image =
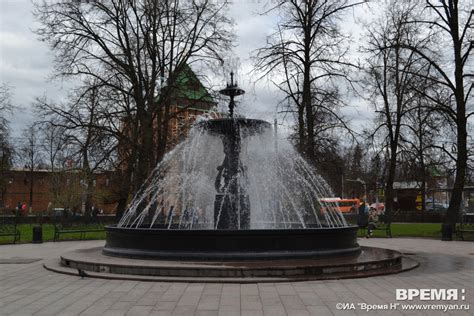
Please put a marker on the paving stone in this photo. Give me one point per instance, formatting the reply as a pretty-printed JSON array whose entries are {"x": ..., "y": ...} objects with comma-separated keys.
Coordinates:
[
  {"x": 250, "y": 302},
  {"x": 184, "y": 310},
  {"x": 29, "y": 289},
  {"x": 319, "y": 310},
  {"x": 213, "y": 289},
  {"x": 310, "y": 298},
  {"x": 114, "y": 313},
  {"x": 160, "y": 313},
  {"x": 206, "y": 313},
  {"x": 139, "y": 311},
  {"x": 94, "y": 310},
  {"x": 252, "y": 313},
  {"x": 228, "y": 313},
  {"x": 292, "y": 302},
  {"x": 169, "y": 306},
  {"x": 249, "y": 289},
  {"x": 209, "y": 302},
  {"x": 275, "y": 310},
  {"x": 297, "y": 312}
]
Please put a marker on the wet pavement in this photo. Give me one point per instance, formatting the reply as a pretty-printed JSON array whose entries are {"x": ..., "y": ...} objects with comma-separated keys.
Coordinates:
[{"x": 26, "y": 288}]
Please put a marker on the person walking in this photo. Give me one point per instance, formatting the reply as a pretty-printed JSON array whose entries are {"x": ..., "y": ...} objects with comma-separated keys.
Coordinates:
[
  {"x": 362, "y": 215},
  {"x": 18, "y": 209},
  {"x": 23, "y": 209}
]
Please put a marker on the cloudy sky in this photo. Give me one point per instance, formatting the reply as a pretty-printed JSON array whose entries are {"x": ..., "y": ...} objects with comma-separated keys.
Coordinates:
[{"x": 26, "y": 64}]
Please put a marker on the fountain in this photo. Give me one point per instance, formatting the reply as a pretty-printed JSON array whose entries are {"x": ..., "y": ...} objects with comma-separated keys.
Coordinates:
[
  {"x": 264, "y": 202},
  {"x": 234, "y": 200}
]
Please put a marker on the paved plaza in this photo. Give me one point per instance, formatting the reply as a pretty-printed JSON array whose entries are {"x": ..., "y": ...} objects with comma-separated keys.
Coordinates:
[{"x": 26, "y": 288}]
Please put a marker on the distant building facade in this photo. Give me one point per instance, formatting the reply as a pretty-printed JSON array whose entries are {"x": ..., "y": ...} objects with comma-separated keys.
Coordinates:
[
  {"x": 190, "y": 99},
  {"x": 62, "y": 189}
]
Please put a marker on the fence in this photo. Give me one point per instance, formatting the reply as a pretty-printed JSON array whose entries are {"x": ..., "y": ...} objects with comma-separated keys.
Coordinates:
[
  {"x": 105, "y": 219},
  {"x": 407, "y": 217}
]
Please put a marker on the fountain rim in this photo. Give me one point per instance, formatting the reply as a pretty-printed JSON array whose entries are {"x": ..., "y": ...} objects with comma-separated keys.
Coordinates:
[
  {"x": 230, "y": 244},
  {"x": 241, "y": 121},
  {"x": 234, "y": 231}
]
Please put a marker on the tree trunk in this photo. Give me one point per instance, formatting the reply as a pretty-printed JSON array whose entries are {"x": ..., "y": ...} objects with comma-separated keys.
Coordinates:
[
  {"x": 125, "y": 188},
  {"x": 461, "y": 121},
  {"x": 309, "y": 150},
  {"x": 87, "y": 180},
  {"x": 30, "y": 203},
  {"x": 145, "y": 153},
  {"x": 123, "y": 199},
  {"x": 301, "y": 128},
  {"x": 389, "y": 192},
  {"x": 423, "y": 185},
  {"x": 455, "y": 203},
  {"x": 163, "y": 141}
]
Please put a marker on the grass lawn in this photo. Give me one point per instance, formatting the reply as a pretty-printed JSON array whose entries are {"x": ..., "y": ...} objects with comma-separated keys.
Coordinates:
[
  {"x": 429, "y": 230},
  {"x": 26, "y": 231}
]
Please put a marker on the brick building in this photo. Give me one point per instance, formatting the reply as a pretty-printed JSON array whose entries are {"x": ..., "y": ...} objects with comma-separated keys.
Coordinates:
[
  {"x": 190, "y": 100},
  {"x": 59, "y": 190}
]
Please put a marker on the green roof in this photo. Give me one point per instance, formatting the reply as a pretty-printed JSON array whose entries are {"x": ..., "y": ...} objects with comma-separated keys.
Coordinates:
[
  {"x": 189, "y": 87},
  {"x": 434, "y": 172}
]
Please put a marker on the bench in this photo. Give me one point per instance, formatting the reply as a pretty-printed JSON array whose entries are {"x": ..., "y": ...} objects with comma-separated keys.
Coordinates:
[
  {"x": 384, "y": 225},
  {"x": 75, "y": 225},
  {"x": 466, "y": 225},
  {"x": 8, "y": 227}
]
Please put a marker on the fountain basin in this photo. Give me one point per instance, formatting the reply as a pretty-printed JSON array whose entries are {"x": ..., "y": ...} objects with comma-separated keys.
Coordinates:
[
  {"x": 252, "y": 244},
  {"x": 226, "y": 126}
]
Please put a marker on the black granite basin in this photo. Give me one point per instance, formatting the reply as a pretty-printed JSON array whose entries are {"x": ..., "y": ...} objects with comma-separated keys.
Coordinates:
[{"x": 251, "y": 244}]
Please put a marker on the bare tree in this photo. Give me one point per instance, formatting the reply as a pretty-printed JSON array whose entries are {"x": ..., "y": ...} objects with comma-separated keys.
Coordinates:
[
  {"x": 136, "y": 48},
  {"x": 450, "y": 21},
  {"x": 6, "y": 150},
  {"x": 6, "y": 157},
  {"x": 5, "y": 109},
  {"x": 30, "y": 156},
  {"x": 307, "y": 56},
  {"x": 420, "y": 143},
  {"x": 83, "y": 132},
  {"x": 58, "y": 152},
  {"x": 5, "y": 104},
  {"x": 55, "y": 143},
  {"x": 134, "y": 52},
  {"x": 390, "y": 81}
]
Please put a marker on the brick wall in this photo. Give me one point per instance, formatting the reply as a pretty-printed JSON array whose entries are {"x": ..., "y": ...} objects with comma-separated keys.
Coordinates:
[{"x": 18, "y": 190}]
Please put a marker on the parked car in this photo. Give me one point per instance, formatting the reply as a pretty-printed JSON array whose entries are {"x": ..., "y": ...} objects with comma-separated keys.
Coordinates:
[{"x": 436, "y": 207}]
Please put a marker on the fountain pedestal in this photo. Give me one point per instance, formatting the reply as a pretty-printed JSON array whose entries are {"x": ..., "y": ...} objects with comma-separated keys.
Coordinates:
[
  {"x": 232, "y": 205},
  {"x": 232, "y": 211}
]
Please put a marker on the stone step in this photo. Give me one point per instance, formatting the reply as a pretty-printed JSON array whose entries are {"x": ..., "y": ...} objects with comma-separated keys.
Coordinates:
[{"x": 372, "y": 261}]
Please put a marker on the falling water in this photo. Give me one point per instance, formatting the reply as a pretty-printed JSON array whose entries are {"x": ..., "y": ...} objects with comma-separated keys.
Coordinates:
[{"x": 283, "y": 190}]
